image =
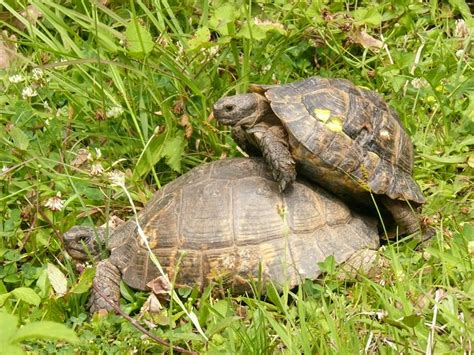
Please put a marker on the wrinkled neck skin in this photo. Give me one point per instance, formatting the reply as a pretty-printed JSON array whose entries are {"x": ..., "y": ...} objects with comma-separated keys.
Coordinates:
[{"x": 261, "y": 113}]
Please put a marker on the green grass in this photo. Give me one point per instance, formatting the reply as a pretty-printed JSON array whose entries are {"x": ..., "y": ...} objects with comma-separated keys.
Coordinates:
[{"x": 164, "y": 63}]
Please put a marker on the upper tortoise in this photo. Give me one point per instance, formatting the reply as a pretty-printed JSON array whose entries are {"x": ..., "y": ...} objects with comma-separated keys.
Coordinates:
[
  {"x": 341, "y": 136},
  {"x": 227, "y": 221}
]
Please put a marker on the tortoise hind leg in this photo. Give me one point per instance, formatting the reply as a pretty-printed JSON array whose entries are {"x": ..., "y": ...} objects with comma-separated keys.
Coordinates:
[
  {"x": 106, "y": 287},
  {"x": 404, "y": 215}
]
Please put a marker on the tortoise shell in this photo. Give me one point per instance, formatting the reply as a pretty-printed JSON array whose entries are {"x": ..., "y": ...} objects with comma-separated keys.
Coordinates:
[
  {"x": 226, "y": 220},
  {"x": 345, "y": 137}
]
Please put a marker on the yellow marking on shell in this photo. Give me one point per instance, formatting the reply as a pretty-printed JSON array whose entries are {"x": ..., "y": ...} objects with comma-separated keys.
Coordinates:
[
  {"x": 334, "y": 124},
  {"x": 322, "y": 114}
]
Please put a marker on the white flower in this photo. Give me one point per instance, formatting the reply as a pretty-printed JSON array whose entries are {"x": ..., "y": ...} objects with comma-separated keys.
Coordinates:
[
  {"x": 28, "y": 92},
  {"x": 55, "y": 203},
  {"x": 5, "y": 169},
  {"x": 381, "y": 314},
  {"x": 97, "y": 169},
  {"x": 461, "y": 30},
  {"x": 37, "y": 74},
  {"x": 212, "y": 51},
  {"x": 17, "y": 78},
  {"x": 419, "y": 83},
  {"x": 460, "y": 53},
  {"x": 180, "y": 49},
  {"x": 62, "y": 111},
  {"x": 114, "y": 112},
  {"x": 117, "y": 178},
  {"x": 275, "y": 25}
]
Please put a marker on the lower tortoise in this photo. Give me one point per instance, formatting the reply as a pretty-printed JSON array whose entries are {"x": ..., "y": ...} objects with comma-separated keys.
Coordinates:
[
  {"x": 343, "y": 137},
  {"x": 227, "y": 222}
]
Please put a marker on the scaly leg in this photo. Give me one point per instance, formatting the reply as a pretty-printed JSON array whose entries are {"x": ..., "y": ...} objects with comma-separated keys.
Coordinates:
[
  {"x": 404, "y": 215},
  {"x": 107, "y": 281}
]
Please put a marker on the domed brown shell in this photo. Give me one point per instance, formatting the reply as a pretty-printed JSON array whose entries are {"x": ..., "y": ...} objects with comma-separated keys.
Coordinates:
[
  {"x": 224, "y": 219},
  {"x": 346, "y": 138}
]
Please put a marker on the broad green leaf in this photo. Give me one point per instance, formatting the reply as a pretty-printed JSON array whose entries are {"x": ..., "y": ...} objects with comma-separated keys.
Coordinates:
[
  {"x": 201, "y": 37},
  {"x": 20, "y": 139},
  {"x": 173, "y": 150},
  {"x": 151, "y": 155},
  {"x": 3, "y": 289},
  {"x": 139, "y": 40},
  {"x": 468, "y": 231},
  {"x": 126, "y": 292},
  {"x": 220, "y": 325},
  {"x": 469, "y": 140},
  {"x": 57, "y": 279},
  {"x": 26, "y": 295},
  {"x": 328, "y": 265},
  {"x": 221, "y": 17},
  {"x": 85, "y": 281},
  {"x": 274, "y": 296},
  {"x": 411, "y": 320},
  {"x": 221, "y": 307},
  {"x": 3, "y": 298},
  {"x": 367, "y": 16},
  {"x": 8, "y": 326},
  {"x": 250, "y": 31},
  {"x": 43, "y": 283},
  {"x": 46, "y": 330},
  {"x": 258, "y": 31}
]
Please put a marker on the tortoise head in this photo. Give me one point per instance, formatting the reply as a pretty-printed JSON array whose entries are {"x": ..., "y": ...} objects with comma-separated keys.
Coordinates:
[
  {"x": 82, "y": 243},
  {"x": 243, "y": 109}
]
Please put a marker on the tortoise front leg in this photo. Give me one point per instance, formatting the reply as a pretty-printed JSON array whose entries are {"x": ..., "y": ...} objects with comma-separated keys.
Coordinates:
[
  {"x": 106, "y": 287},
  {"x": 273, "y": 142},
  {"x": 240, "y": 137}
]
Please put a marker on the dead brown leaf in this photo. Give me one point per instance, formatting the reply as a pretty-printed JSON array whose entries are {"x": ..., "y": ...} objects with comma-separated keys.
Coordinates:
[
  {"x": 8, "y": 53},
  {"x": 188, "y": 128},
  {"x": 159, "y": 285},
  {"x": 82, "y": 156},
  {"x": 367, "y": 41},
  {"x": 151, "y": 305}
]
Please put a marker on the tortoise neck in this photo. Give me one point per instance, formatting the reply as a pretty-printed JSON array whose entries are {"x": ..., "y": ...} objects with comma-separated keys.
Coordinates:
[{"x": 262, "y": 110}]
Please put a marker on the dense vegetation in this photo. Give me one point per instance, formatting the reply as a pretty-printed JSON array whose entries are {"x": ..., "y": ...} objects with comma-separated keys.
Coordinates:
[{"x": 93, "y": 88}]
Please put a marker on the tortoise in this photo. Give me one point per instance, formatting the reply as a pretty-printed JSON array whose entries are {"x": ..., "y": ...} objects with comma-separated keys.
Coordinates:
[
  {"x": 343, "y": 137},
  {"x": 227, "y": 222}
]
